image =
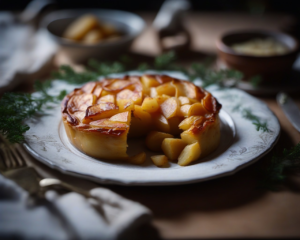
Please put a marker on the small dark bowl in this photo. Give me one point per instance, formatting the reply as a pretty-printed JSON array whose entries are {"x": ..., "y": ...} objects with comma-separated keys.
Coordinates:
[{"x": 270, "y": 68}]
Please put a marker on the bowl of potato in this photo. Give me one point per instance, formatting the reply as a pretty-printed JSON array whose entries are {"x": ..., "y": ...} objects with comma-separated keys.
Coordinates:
[{"x": 90, "y": 33}]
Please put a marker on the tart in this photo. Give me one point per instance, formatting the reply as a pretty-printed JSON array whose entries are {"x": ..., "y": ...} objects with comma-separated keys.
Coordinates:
[{"x": 175, "y": 116}]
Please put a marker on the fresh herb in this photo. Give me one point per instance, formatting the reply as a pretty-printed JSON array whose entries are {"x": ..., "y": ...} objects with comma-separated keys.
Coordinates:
[
  {"x": 67, "y": 74},
  {"x": 17, "y": 107},
  {"x": 222, "y": 78},
  {"x": 279, "y": 168},
  {"x": 248, "y": 114},
  {"x": 255, "y": 81},
  {"x": 104, "y": 69}
]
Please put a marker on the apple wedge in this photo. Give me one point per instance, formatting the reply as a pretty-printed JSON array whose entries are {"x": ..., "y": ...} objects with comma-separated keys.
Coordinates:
[
  {"x": 155, "y": 139},
  {"x": 189, "y": 154},
  {"x": 172, "y": 148},
  {"x": 160, "y": 160}
]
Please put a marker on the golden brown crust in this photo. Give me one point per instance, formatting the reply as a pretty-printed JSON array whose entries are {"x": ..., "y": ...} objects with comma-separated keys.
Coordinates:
[
  {"x": 100, "y": 115},
  {"x": 86, "y": 100}
]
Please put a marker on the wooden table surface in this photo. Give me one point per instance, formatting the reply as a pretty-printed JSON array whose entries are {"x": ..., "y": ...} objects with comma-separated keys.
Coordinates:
[{"x": 226, "y": 207}]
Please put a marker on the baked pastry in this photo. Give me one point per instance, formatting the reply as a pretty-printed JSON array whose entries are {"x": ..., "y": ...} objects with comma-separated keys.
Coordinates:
[{"x": 100, "y": 116}]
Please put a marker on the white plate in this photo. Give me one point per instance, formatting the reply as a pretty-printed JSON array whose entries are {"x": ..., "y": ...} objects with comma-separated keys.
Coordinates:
[{"x": 241, "y": 145}]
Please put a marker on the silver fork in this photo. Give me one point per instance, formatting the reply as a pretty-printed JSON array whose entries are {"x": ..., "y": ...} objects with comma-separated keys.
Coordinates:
[
  {"x": 11, "y": 156},
  {"x": 14, "y": 166}
]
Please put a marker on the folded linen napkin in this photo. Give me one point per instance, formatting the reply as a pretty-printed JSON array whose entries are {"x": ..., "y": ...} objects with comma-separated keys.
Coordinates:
[
  {"x": 24, "y": 52},
  {"x": 68, "y": 216}
]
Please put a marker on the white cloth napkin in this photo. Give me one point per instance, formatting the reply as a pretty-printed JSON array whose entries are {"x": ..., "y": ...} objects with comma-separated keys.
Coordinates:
[
  {"x": 68, "y": 216},
  {"x": 24, "y": 52}
]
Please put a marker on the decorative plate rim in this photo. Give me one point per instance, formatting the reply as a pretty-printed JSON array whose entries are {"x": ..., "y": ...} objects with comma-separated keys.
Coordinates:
[{"x": 64, "y": 167}]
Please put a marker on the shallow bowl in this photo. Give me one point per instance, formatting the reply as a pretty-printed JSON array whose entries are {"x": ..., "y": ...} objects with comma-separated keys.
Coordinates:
[
  {"x": 270, "y": 68},
  {"x": 131, "y": 25}
]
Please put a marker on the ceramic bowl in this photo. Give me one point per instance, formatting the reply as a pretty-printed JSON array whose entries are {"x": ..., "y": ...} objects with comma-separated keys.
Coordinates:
[
  {"x": 130, "y": 24},
  {"x": 270, "y": 68}
]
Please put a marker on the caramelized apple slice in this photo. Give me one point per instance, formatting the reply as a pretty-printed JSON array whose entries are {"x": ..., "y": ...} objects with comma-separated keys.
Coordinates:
[
  {"x": 136, "y": 97},
  {"x": 138, "y": 159},
  {"x": 80, "y": 102},
  {"x": 107, "y": 98},
  {"x": 89, "y": 87},
  {"x": 161, "y": 99},
  {"x": 172, "y": 148},
  {"x": 206, "y": 134},
  {"x": 99, "y": 111},
  {"x": 188, "y": 89},
  {"x": 170, "y": 107},
  {"x": 140, "y": 122},
  {"x": 160, "y": 160},
  {"x": 190, "y": 121},
  {"x": 148, "y": 82},
  {"x": 150, "y": 105},
  {"x": 189, "y": 154},
  {"x": 121, "y": 117},
  {"x": 195, "y": 109},
  {"x": 161, "y": 123},
  {"x": 167, "y": 89},
  {"x": 174, "y": 125},
  {"x": 155, "y": 139},
  {"x": 126, "y": 99},
  {"x": 184, "y": 100},
  {"x": 98, "y": 90},
  {"x": 117, "y": 85}
]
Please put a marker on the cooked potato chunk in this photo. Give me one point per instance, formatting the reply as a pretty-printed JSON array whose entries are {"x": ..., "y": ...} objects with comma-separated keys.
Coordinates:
[
  {"x": 195, "y": 109},
  {"x": 160, "y": 160},
  {"x": 188, "y": 122},
  {"x": 155, "y": 139},
  {"x": 189, "y": 154},
  {"x": 80, "y": 27},
  {"x": 138, "y": 159},
  {"x": 141, "y": 122},
  {"x": 161, "y": 123},
  {"x": 174, "y": 125},
  {"x": 93, "y": 37},
  {"x": 170, "y": 107},
  {"x": 208, "y": 137},
  {"x": 184, "y": 100},
  {"x": 172, "y": 148},
  {"x": 100, "y": 116},
  {"x": 150, "y": 105}
]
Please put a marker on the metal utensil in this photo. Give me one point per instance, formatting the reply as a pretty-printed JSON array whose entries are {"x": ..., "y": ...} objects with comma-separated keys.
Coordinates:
[
  {"x": 13, "y": 166},
  {"x": 290, "y": 109},
  {"x": 51, "y": 182}
]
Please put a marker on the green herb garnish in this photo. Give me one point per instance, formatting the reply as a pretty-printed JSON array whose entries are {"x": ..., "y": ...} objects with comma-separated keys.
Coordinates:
[
  {"x": 248, "y": 114},
  {"x": 280, "y": 166},
  {"x": 17, "y": 107}
]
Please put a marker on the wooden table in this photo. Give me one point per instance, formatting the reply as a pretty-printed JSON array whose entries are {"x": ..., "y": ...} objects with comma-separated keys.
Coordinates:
[{"x": 226, "y": 207}]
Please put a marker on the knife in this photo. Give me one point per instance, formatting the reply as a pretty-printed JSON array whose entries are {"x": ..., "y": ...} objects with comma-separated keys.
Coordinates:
[{"x": 290, "y": 109}]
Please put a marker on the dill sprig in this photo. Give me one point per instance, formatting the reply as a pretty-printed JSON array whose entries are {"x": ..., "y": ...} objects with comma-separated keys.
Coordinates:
[
  {"x": 248, "y": 114},
  {"x": 222, "y": 78},
  {"x": 280, "y": 166},
  {"x": 17, "y": 107},
  {"x": 67, "y": 74}
]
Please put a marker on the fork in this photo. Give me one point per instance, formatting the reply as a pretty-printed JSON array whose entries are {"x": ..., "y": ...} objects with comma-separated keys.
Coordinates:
[
  {"x": 12, "y": 156},
  {"x": 13, "y": 164}
]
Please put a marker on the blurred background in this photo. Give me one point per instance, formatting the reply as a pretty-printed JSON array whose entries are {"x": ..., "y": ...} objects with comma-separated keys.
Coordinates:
[
  {"x": 193, "y": 34},
  {"x": 251, "y": 6}
]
